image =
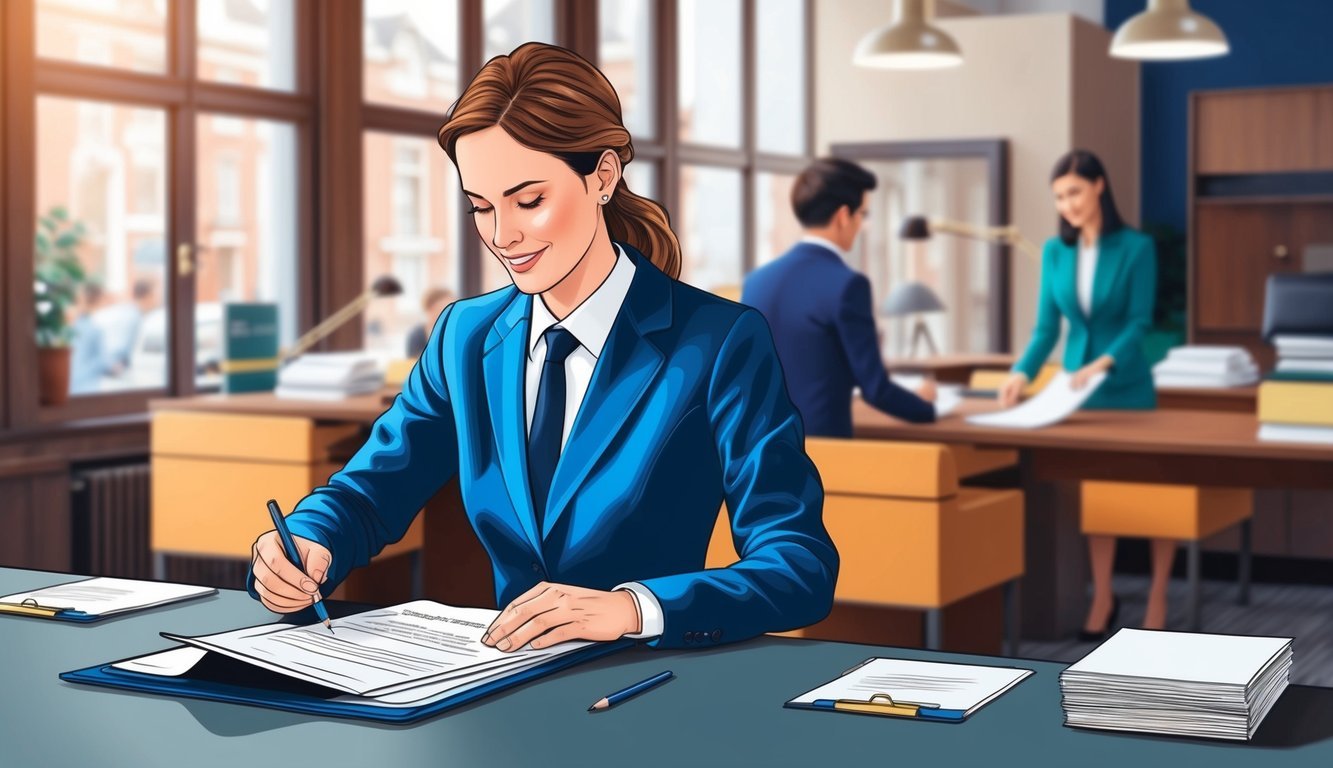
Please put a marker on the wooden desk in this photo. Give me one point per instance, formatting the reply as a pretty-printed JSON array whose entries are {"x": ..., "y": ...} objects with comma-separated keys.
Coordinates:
[
  {"x": 956, "y": 369},
  {"x": 1234, "y": 399},
  {"x": 1162, "y": 446}
]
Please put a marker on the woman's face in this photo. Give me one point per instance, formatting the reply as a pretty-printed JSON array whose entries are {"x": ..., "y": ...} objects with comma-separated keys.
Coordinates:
[
  {"x": 534, "y": 213},
  {"x": 1077, "y": 199}
]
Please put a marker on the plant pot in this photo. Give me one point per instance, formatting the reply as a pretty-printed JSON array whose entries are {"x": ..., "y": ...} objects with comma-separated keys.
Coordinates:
[{"x": 53, "y": 374}]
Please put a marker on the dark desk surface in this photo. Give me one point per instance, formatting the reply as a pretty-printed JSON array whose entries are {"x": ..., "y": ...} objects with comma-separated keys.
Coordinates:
[{"x": 724, "y": 708}]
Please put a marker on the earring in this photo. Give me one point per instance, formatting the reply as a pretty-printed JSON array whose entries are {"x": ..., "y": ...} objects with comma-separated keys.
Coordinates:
[{"x": 606, "y": 198}]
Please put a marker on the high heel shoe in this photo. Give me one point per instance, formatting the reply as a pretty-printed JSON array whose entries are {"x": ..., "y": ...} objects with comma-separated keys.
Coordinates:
[{"x": 1084, "y": 636}]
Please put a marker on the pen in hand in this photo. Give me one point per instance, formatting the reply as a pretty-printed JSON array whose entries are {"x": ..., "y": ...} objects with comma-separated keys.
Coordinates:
[
  {"x": 294, "y": 555},
  {"x": 615, "y": 698}
]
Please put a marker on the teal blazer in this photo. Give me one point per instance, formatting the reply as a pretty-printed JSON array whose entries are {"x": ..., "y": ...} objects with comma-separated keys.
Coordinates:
[{"x": 1124, "y": 289}]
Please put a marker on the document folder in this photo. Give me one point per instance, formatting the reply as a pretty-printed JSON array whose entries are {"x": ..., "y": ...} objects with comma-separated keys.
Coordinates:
[{"x": 219, "y": 678}]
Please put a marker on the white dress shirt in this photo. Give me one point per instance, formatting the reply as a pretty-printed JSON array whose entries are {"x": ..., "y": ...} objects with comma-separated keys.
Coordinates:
[
  {"x": 590, "y": 323},
  {"x": 1087, "y": 269},
  {"x": 823, "y": 243}
]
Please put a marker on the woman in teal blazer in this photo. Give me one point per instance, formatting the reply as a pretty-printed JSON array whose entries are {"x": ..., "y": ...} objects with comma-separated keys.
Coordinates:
[{"x": 1100, "y": 277}]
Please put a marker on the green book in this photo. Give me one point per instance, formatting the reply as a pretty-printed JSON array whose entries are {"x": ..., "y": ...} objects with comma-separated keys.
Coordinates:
[
  {"x": 250, "y": 347},
  {"x": 1299, "y": 376}
]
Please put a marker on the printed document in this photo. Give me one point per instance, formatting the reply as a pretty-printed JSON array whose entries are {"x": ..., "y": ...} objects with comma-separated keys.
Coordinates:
[
  {"x": 958, "y": 687},
  {"x": 403, "y": 653},
  {"x": 105, "y": 596}
]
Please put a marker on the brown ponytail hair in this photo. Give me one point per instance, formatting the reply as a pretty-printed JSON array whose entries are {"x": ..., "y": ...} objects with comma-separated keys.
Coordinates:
[{"x": 552, "y": 100}]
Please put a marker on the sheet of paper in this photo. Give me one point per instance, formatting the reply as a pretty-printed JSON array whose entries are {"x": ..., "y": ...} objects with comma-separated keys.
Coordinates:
[
  {"x": 1052, "y": 405},
  {"x": 1181, "y": 656},
  {"x": 947, "y": 399},
  {"x": 947, "y": 396},
  {"x": 378, "y": 652},
  {"x": 962, "y": 687},
  {"x": 102, "y": 596},
  {"x": 173, "y": 663}
]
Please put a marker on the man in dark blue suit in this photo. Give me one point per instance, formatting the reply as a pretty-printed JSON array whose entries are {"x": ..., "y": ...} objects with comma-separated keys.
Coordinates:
[{"x": 820, "y": 309}]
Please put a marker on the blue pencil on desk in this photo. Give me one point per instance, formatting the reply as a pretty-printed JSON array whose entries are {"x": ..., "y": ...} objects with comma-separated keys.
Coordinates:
[
  {"x": 634, "y": 690},
  {"x": 294, "y": 555}
]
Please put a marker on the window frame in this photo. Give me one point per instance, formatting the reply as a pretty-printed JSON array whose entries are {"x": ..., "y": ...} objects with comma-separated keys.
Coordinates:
[{"x": 183, "y": 99}]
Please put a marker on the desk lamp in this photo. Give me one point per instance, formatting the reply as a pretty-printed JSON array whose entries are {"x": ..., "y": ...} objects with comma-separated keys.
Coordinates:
[
  {"x": 384, "y": 286},
  {"x": 918, "y": 228},
  {"x": 913, "y": 298}
]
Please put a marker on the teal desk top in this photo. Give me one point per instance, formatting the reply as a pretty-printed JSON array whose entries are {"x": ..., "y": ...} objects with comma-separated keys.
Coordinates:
[{"x": 723, "y": 708}]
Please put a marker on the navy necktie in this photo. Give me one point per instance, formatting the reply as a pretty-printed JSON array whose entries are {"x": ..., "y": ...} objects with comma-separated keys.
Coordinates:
[{"x": 548, "y": 419}]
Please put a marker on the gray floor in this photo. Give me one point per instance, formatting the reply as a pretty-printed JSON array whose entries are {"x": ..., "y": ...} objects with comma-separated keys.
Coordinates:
[{"x": 1283, "y": 610}]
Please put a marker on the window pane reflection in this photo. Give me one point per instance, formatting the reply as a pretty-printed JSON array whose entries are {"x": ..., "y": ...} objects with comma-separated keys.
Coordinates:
[
  {"x": 246, "y": 224},
  {"x": 411, "y": 212},
  {"x": 710, "y": 226},
  {"x": 248, "y": 43},
  {"x": 411, "y": 53},
  {"x": 122, "y": 34},
  {"x": 101, "y": 203}
]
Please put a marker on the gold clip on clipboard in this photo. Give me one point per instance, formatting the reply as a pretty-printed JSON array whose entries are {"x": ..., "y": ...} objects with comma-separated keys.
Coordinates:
[
  {"x": 30, "y": 607},
  {"x": 879, "y": 704}
]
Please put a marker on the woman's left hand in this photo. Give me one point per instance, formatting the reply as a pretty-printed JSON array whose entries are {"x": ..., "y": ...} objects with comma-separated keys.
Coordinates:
[
  {"x": 1083, "y": 375},
  {"x": 555, "y": 613}
]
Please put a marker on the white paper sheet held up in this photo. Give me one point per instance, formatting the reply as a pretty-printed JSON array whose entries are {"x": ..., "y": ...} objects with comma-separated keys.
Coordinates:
[
  {"x": 1055, "y": 403},
  {"x": 103, "y": 596},
  {"x": 959, "y": 687}
]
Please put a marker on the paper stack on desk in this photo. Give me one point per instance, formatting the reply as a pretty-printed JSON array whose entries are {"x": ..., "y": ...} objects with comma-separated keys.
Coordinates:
[
  {"x": 329, "y": 376},
  {"x": 1177, "y": 683},
  {"x": 1205, "y": 366}
]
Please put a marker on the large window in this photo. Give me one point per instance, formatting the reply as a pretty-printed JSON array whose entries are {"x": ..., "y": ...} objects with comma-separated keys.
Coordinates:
[
  {"x": 162, "y": 170},
  {"x": 187, "y": 154},
  {"x": 741, "y": 133}
]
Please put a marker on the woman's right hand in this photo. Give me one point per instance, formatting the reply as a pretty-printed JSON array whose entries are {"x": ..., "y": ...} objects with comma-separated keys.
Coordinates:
[
  {"x": 282, "y": 587},
  {"x": 1012, "y": 389}
]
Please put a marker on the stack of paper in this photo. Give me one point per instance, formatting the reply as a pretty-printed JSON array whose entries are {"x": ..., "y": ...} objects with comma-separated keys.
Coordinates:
[
  {"x": 1296, "y": 402},
  {"x": 330, "y": 376},
  {"x": 1206, "y": 366},
  {"x": 1177, "y": 683}
]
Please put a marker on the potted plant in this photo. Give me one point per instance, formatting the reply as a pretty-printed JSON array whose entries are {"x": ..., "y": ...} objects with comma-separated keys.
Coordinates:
[{"x": 57, "y": 278}]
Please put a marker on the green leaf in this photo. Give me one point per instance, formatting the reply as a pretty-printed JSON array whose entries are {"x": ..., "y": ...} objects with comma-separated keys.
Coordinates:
[
  {"x": 60, "y": 213},
  {"x": 67, "y": 240},
  {"x": 43, "y": 244}
]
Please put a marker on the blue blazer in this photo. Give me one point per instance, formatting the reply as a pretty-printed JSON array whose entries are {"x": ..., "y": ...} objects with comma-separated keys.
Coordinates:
[
  {"x": 686, "y": 409},
  {"x": 1124, "y": 290},
  {"x": 823, "y": 322}
]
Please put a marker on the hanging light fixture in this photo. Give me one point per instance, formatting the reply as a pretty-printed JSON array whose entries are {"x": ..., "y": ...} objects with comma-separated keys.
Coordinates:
[
  {"x": 1169, "y": 30},
  {"x": 910, "y": 42}
]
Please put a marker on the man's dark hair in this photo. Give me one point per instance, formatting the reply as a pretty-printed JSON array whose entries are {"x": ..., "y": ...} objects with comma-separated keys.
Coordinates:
[{"x": 827, "y": 185}]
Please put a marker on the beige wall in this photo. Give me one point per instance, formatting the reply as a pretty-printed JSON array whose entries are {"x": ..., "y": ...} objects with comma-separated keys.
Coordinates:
[{"x": 1017, "y": 82}]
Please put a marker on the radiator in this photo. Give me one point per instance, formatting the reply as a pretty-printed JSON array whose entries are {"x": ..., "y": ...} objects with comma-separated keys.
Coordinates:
[{"x": 111, "y": 506}]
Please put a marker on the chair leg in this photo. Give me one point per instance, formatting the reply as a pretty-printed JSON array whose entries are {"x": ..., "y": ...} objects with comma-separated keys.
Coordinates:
[
  {"x": 934, "y": 627},
  {"x": 1011, "y": 638},
  {"x": 1246, "y": 552},
  {"x": 159, "y": 566},
  {"x": 1195, "y": 617}
]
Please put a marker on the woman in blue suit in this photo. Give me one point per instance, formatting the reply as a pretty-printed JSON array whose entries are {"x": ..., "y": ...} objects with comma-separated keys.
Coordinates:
[
  {"x": 1100, "y": 277},
  {"x": 597, "y": 412}
]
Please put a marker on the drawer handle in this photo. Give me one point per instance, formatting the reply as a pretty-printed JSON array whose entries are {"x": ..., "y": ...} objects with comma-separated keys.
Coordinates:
[{"x": 1281, "y": 252}]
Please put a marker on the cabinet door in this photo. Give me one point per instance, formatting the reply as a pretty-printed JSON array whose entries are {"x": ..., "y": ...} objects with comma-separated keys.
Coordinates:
[
  {"x": 1262, "y": 131},
  {"x": 1236, "y": 248}
]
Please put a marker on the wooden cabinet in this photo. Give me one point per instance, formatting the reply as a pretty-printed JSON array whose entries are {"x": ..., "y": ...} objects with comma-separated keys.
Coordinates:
[
  {"x": 1261, "y": 194},
  {"x": 1264, "y": 131}
]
